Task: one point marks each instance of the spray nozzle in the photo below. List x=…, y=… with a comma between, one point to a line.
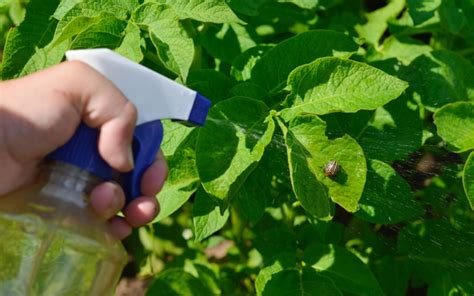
x=155, y=96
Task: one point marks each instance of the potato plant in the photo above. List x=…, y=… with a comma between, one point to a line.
x=337, y=158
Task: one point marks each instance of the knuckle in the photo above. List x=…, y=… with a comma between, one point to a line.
x=79, y=67
x=131, y=110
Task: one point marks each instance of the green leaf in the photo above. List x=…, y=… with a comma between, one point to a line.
x=45, y=57
x=225, y=42
x=308, y=190
x=439, y=245
x=243, y=64
x=455, y=124
x=210, y=11
x=330, y=85
x=353, y=124
x=403, y=48
x=16, y=12
x=106, y=33
x=174, y=48
x=452, y=16
x=91, y=23
x=307, y=4
x=422, y=10
x=131, y=43
x=36, y=31
x=440, y=280
x=282, y=20
x=276, y=242
x=182, y=179
x=394, y=131
x=250, y=90
x=253, y=195
x=267, y=183
x=387, y=197
x=404, y=26
x=319, y=231
x=177, y=282
x=301, y=49
x=207, y=217
x=66, y=30
x=221, y=42
x=309, y=152
x=212, y=84
x=346, y=270
x=393, y=275
x=208, y=277
x=69, y=9
x=299, y=282
x=231, y=144
x=246, y=7
x=443, y=285
x=468, y=179
x=63, y=7
x=246, y=35
x=82, y=13
x=442, y=77
x=285, y=261
x=99, y=29
x=376, y=25
x=173, y=136
x=467, y=7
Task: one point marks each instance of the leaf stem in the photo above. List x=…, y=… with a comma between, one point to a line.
x=237, y=223
x=189, y=28
x=288, y=214
x=158, y=65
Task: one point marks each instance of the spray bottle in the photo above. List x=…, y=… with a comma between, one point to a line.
x=51, y=242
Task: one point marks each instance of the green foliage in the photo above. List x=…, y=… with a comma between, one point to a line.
x=343, y=267
x=455, y=123
x=207, y=216
x=330, y=85
x=468, y=179
x=385, y=92
x=293, y=52
x=231, y=143
x=443, y=77
x=421, y=11
x=309, y=151
x=387, y=198
x=177, y=282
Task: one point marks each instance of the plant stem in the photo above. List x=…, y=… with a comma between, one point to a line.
x=288, y=214
x=237, y=223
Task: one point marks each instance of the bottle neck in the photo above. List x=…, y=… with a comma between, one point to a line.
x=69, y=183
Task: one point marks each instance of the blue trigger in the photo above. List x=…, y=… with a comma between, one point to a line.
x=146, y=143
x=82, y=150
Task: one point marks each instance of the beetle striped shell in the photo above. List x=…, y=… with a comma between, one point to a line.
x=331, y=169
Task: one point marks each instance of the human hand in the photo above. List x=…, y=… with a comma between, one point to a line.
x=40, y=112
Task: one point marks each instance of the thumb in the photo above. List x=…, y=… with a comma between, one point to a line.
x=103, y=106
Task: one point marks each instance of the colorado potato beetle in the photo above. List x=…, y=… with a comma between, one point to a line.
x=331, y=169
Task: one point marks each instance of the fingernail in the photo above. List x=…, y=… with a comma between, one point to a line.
x=109, y=202
x=131, y=160
x=148, y=208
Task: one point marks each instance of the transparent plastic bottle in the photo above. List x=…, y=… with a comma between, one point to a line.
x=52, y=242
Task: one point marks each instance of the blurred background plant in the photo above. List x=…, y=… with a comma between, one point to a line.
x=12, y=13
